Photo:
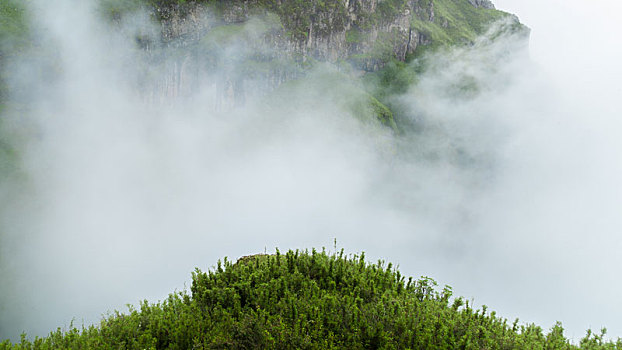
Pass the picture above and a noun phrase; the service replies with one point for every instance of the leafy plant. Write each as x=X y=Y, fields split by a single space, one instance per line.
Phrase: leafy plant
x=309 y=300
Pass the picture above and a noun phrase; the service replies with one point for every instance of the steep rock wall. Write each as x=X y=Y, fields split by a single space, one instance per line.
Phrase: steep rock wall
x=272 y=41
x=367 y=33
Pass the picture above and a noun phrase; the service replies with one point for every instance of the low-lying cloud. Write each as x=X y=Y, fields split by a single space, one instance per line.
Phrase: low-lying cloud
x=506 y=190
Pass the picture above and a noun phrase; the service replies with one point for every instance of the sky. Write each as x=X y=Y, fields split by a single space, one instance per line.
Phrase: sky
x=125 y=198
x=571 y=162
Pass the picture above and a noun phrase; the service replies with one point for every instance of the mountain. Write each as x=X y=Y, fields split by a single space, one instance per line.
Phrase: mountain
x=367 y=33
x=250 y=46
x=364 y=33
x=257 y=45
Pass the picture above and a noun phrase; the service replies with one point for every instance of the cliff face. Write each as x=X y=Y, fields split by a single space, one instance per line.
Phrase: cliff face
x=367 y=33
x=256 y=45
x=482 y=3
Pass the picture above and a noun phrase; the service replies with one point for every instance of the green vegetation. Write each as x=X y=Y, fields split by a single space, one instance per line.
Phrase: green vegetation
x=441 y=22
x=355 y=35
x=437 y=23
x=310 y=300
x=338 y=89
x=295 y=15
x=454 y=22
x=13 y=26
x=115 y=9
x=8 y=159
x=13 y=38
x=390 y=8
x=382 y=113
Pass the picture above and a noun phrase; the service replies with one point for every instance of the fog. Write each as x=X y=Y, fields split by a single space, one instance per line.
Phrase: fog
x=509 y=194
x=559 y=221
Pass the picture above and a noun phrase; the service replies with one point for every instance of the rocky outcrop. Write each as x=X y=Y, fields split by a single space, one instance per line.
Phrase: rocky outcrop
x=366 y=33
x=482 y=3
x=272 y=41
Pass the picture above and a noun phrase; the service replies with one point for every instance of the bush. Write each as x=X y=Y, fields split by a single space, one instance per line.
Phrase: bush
x=309 y=300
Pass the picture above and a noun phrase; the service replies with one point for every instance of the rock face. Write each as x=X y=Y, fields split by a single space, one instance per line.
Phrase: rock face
x=482 y=3
x=268 y=42
x=367 y=33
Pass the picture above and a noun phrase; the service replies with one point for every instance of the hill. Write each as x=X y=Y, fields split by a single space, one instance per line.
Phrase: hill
x=310 y=300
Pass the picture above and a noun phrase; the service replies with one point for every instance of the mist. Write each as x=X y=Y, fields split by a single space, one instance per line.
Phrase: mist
x=508 y=193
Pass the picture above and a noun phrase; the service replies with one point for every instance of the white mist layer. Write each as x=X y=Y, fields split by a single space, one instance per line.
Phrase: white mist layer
x=556 y=208
x=125 y=197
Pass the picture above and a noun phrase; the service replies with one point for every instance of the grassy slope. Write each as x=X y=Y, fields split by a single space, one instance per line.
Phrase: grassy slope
x=455 y=21
x=336 y=89
x=13 y=37
x=309 y=300
x=13 y=40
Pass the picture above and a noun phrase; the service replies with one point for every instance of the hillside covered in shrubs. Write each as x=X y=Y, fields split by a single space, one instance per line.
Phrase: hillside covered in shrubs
x=310 y=300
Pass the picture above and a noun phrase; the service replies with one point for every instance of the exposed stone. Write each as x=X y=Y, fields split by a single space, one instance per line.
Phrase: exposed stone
x=352 y=31
x=248 y=259
x=487 y=4
x=365 y=33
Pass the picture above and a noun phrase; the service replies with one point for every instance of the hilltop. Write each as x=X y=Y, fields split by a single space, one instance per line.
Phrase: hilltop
x=310 y=300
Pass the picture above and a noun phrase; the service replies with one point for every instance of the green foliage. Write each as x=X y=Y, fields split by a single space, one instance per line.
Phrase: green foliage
x=8 y=158
x=309 y=300
x=13 y=24
x=296 y=15
x=382 y=112
x=393 y=79
x=116 y=9
x=391 y=8
x=336 y=89
x=14 y=34
x=222 y=35
x=453 y=22
x=354 y=36
x=14 y=40
x=440 y=22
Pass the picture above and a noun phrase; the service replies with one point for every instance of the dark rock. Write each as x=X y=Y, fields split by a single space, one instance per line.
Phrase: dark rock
x=487 y=4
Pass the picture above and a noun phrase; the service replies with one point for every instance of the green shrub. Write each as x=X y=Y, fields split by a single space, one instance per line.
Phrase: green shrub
x=309 y=300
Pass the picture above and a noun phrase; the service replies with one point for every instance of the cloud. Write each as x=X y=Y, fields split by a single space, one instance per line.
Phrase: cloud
x=554 y=202
x=131 y=182
x=507 y=189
